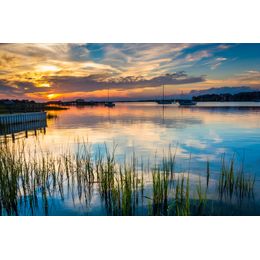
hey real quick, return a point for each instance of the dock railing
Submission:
(18, 118)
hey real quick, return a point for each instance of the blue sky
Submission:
(66, 71)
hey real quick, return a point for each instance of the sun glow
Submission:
(53, 96)
(47, 68)
(44, 85)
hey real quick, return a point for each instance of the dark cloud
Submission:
(5, 87)
(18, 88)
(67, 84)
(97, 82)
(26, 87)
(8, 91)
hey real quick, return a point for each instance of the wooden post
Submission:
(13, 138)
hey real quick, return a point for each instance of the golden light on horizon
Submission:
(53, 96)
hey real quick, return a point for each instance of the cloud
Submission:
(214, 63)
(217, 62)
(44, 51)
(141, 59)
(17, 89)
(251, 77)
(28, 69)
(221, 59)
(198, 55)
(99, 82)
(5, 87)
(11, 91)
(224, 46)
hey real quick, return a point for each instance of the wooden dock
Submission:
(20, 118)
(20, 125)
(25, 127)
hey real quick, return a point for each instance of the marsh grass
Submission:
(32, 180)
(234, 181)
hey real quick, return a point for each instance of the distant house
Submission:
(8, 102)
(80, 101)
(54, 102)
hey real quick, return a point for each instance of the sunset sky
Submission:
(68, 71)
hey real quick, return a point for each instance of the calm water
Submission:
(200, 132)
(197, 134)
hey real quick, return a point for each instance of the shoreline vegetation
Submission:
(25, 106)
(15, 106)
(226, 97)
(30, 180)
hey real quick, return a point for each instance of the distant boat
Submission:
(187, 102)
(163, 101)
(109, 103)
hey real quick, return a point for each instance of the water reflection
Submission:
(202, 132)
(197, 134)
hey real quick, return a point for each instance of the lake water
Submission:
(200, 132)
(207, 131)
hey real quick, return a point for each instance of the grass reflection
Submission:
(31, 180)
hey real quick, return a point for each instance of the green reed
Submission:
(32, 179)
(234, 182)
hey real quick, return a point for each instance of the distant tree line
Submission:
(242, 96)
(23, 106)
(14, 106)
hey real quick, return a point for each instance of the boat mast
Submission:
(163, 92)
(108, 94)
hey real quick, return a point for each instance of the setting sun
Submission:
(53, 96)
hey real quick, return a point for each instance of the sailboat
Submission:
(109, 103)
(163, 101)
(187, 102)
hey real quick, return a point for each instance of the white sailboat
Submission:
(187, 102)
(163, 101)
(109, 103)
